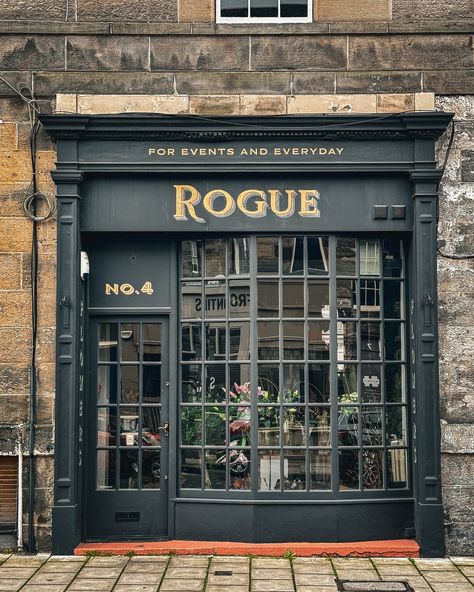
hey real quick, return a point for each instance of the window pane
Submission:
(215, 469)
(129, 419)
(106, 385)
(294, 470)
(369, 257)
(370, 341)
(215, 427)
(293, 383)
(215, 257)
(191, 259)
(269, 470)
(128, 469)
(371, 383)
(293, 340)
(239, 378)
(239, 426)
(130, 342)
(269, 426)
(191, 300)
(239, 256)
(215, 341)
(346, 298)
(348, 425)
(191, 390)
(267, 254)
(348, 469)
(393, 300)
(151, 469)
(239, 468)
(294, 426)
(319, 383)
(318, 340)
(372, 421)
(392, 258)
(191, 425)
(190, 469)
(151, 434)
(293, 298)
(346, 341)
(263, 8)
(320, 469)
(345, 256)
(319, 426)
(108, 337)
(294, 8)
(292, 255)
(234, 8)
(152, 342)
(106, 426)
(106, 469)
(372, 472)
(215, 299)
(268, 383)
(318, 298)
(191, 347)
(393, 341)
(268, 298)
(318, 253)
(347, 383)
(239, 298)
(268, 340)
(215, 383)
(370, 299)
(397, 469)
(394, 383)
(129, 387)
(239, 341)
(396, 428)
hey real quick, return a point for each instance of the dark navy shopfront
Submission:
(253, 353)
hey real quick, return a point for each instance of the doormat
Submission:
(386, 586)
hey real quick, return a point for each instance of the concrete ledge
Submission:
(391, 548)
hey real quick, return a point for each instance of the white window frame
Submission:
(271, 19)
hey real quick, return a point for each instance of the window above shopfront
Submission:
(261, 11)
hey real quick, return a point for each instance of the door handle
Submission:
(165, 428)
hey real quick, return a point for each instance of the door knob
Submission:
(165, 428)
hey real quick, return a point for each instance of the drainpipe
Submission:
(31, 464)
(19, 511)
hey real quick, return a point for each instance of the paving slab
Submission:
(272, 586)
(467, 570)
(391, 561)
(235, 580)
(135, 588)
(150, 559)
(10, 585)
(189, 561)
(316, 588)
(137, 578)
(34, 588)
(431, 564)
(92, 585)
(234, 567)
(190, 573)
(357, 574)
(98, 573)
(182, 585)
(145, 567)
(61, 566)
(314, 580)
(463, 560)
(23, 561)
(17, 572)
(313, 568)
(4, 557)
(42, 579)
(69, 558)
(271, 574)
(352, 563)
(453, 587)
(230, 559)
(399, 569)
(108, 561)
(227, 588)
(444, 576)
(414, 581)
(271, 562)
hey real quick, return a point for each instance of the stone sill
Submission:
(135, 28)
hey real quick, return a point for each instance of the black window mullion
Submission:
(254, 457)
(306, 357)
(281, 356)
(333, 399)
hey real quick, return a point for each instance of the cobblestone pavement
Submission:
(192, 573)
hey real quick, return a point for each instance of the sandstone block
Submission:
(22, 52)
(457, 438)
(458, 469)
(309, 83)
(214, 105)
(48, 84)
(425, 10)
(46, 379)
(14, 379)
(15, 308)
(262, 105)
(191, 11)
(302, 52)
(378, 82)
(46, 344)
(123, 10)
(199, 53)
(357, 10)
(32, 10)
(467, 166)
(106, 53)
(398, 103)
(13, 408)
(46, 308)
(13, 108)
(15, 166)
(10, 276)
(424, 102)
(91, 104)
(66, 103)
(15, 235)
(8, 137)
(415, 52)
(233, 83)
(332, 104)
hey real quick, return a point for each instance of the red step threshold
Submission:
(395, 548)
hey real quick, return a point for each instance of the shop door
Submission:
(127, 435)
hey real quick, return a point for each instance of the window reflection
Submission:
(269, 470)
(293, 255)
(318, 255)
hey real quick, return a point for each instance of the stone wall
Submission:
(178, 61)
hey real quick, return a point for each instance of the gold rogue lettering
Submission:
(253, 203)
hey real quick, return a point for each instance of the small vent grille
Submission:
(387, 586)
(127, 516)
(8, 492)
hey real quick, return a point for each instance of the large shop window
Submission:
(293, 373)
(241, 11)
